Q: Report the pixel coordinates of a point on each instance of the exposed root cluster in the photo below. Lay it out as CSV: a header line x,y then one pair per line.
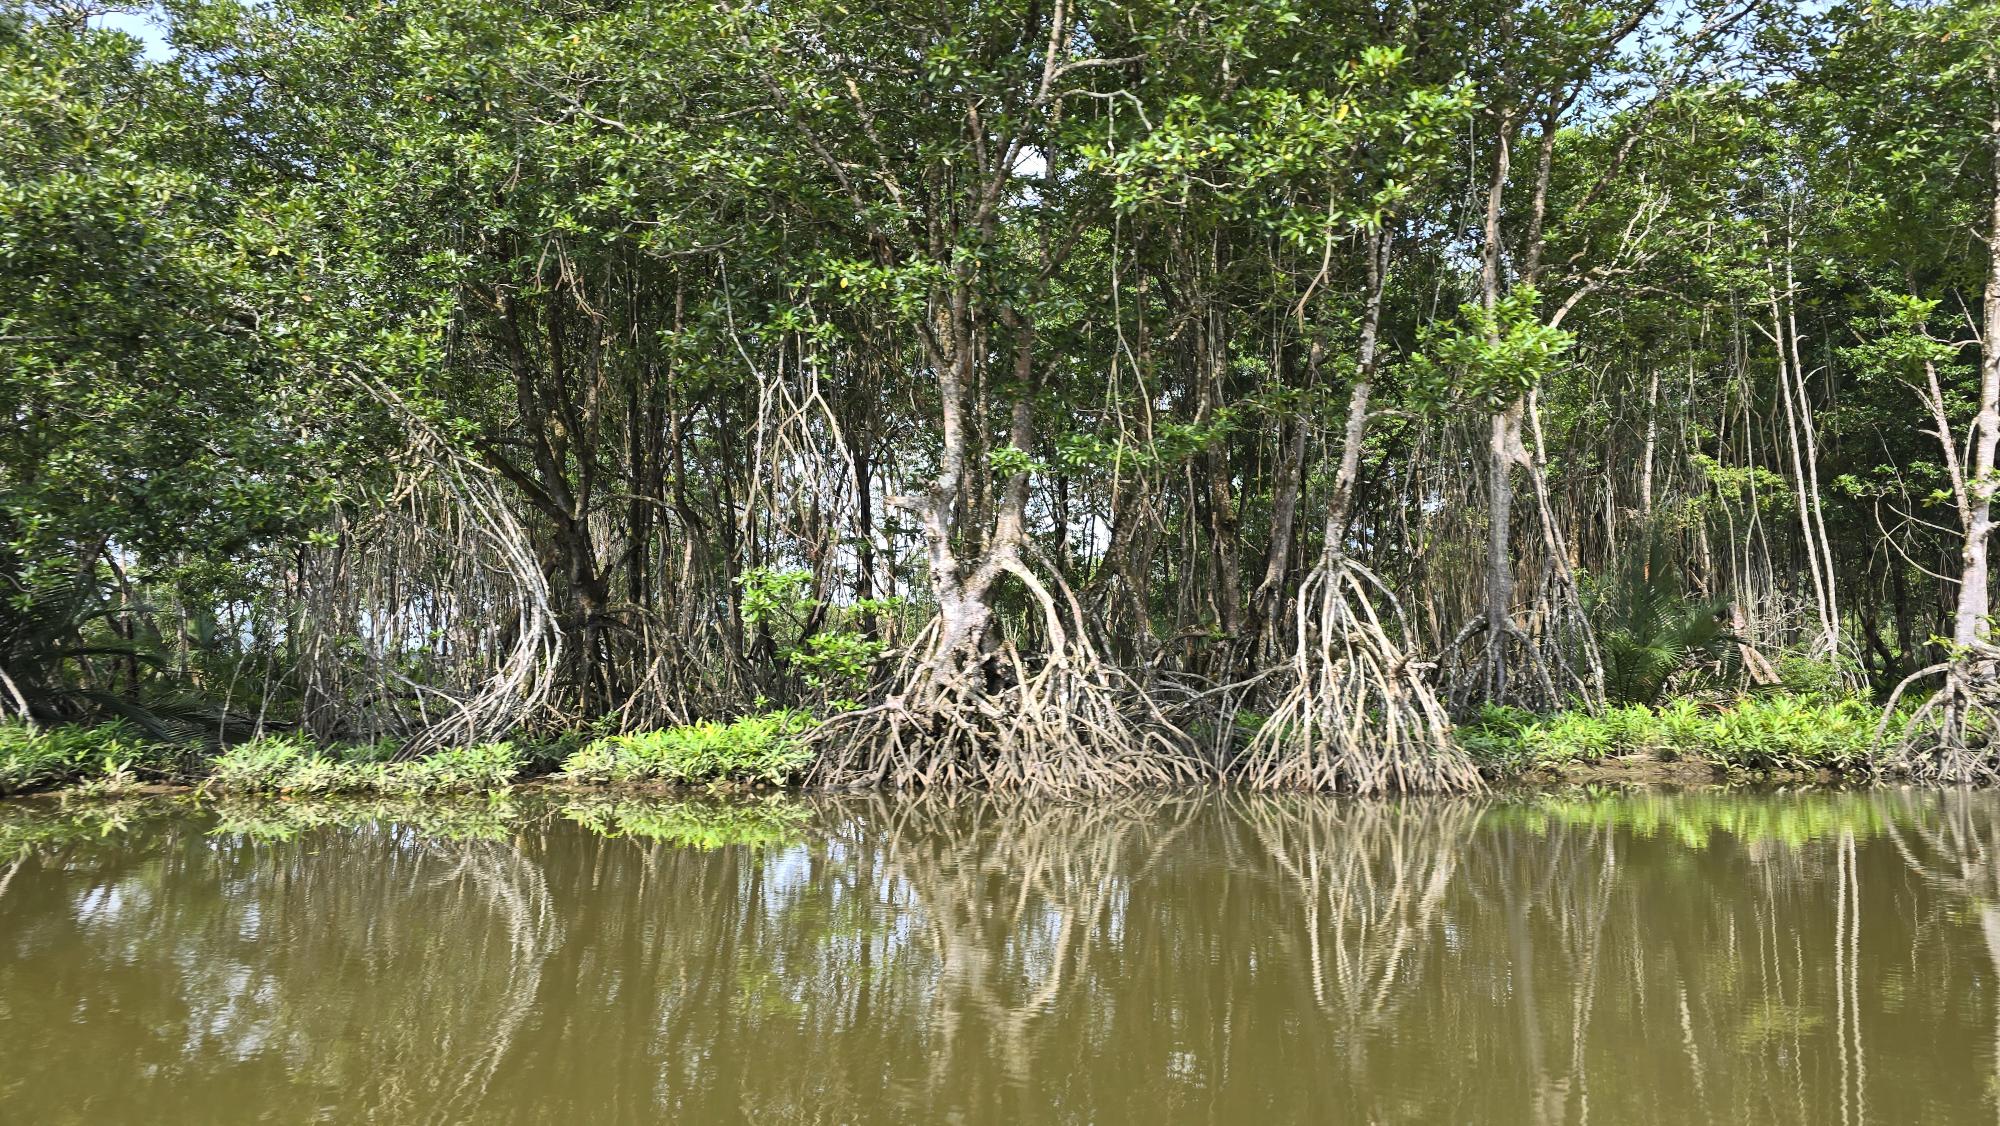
x,y
1357,714
427,616
1549,662
1950,738
1069,723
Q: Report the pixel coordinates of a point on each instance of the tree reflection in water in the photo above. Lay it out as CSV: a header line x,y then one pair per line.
x,y
1223,957
379,968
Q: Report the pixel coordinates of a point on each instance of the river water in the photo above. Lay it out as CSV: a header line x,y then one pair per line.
x,y
1724,957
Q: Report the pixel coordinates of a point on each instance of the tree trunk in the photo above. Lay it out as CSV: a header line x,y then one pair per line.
x,y
1652,441
1344,480
1222,522
1969,622
1266,605
1504,438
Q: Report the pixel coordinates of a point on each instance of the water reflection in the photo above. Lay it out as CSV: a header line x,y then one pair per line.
x,y
1721,957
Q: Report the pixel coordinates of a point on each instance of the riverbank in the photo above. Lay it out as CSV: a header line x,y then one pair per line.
x,y
1769,738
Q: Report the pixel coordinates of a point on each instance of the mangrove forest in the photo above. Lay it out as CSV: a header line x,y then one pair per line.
x,y
1062,396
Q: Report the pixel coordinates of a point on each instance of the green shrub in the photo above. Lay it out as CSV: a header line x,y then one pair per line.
x,y
1681,726
1570,737
1632,727
837,662
1792,733
1754,734
547,753
1653,634
1512,740
34,757
1826,680
1494,737
385,749
456,770
267,762
291,764
830,647
764,747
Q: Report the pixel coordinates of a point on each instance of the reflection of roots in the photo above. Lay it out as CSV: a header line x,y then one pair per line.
x,y
1949,738
1072,722
1019,903
519,898
1372,877
1357,717
437,954
1949,838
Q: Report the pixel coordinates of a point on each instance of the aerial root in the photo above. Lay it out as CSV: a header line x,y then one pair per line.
x,y
436,563
1358,715
1949,739
1550,664
1067,722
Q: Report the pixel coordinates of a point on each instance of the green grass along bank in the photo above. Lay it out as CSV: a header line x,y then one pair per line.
x,y
1778,737
112,758
1764,737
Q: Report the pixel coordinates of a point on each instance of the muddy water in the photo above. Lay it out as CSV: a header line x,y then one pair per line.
x,y
1729,958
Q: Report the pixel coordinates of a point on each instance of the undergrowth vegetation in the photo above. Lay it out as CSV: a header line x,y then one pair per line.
x,y
1767,734
109,756
288,764
764,747
1791,733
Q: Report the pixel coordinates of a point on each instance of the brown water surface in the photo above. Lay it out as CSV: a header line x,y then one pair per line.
x,y
1804,958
